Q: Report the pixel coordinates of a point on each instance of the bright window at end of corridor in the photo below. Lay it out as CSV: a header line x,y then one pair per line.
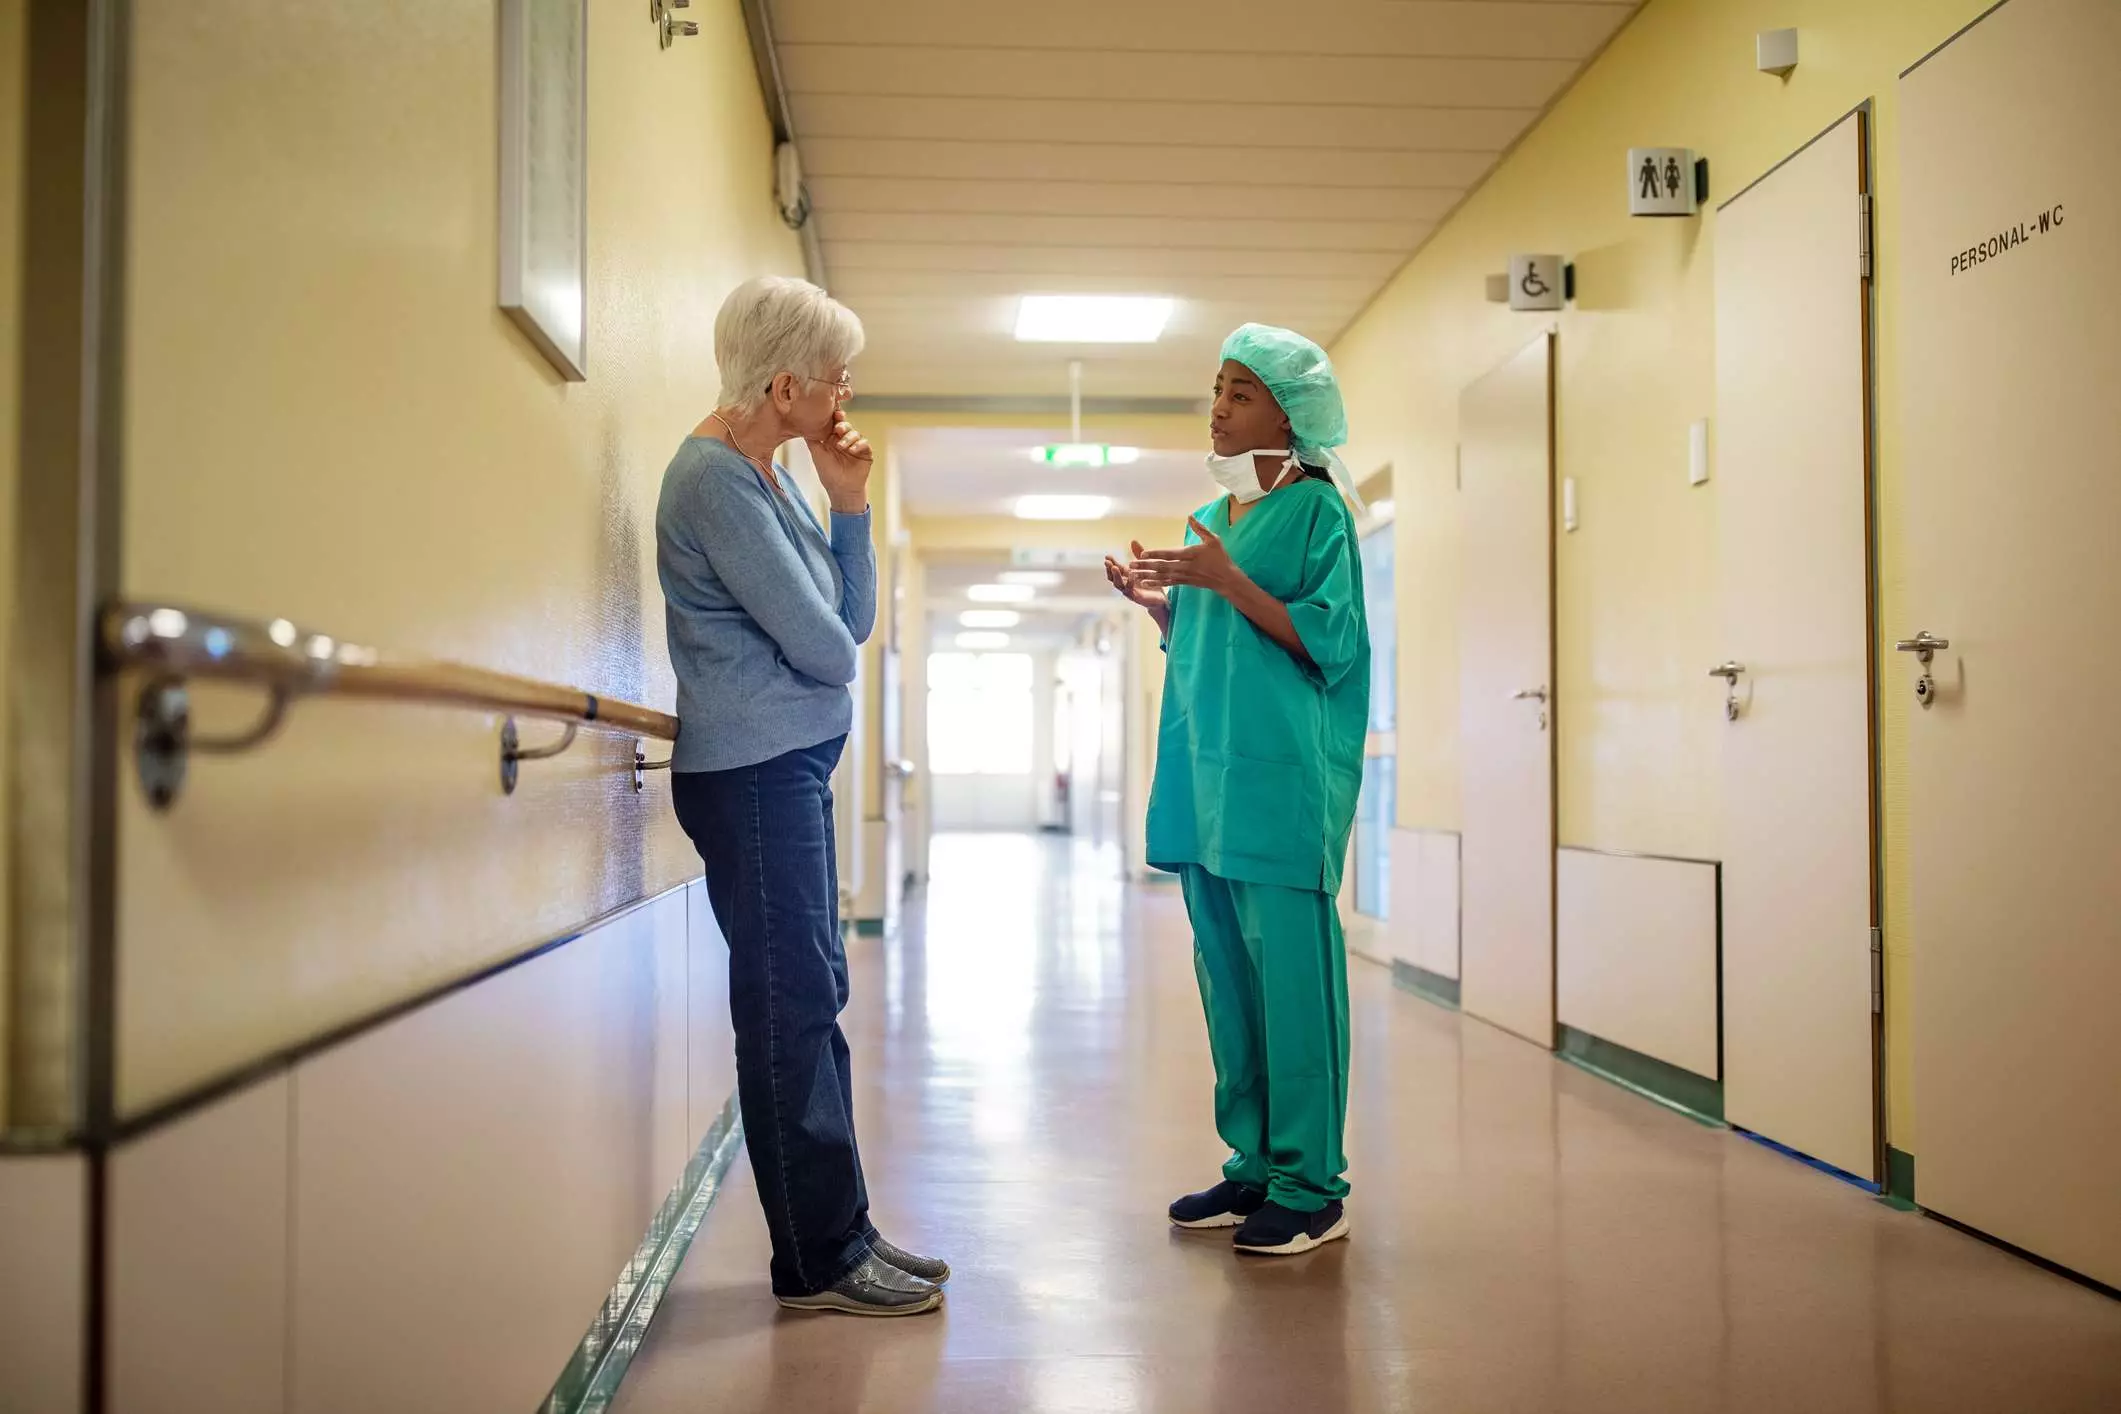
x,y
979,714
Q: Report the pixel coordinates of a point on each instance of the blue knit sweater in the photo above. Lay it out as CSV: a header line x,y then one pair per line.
x,y
763,612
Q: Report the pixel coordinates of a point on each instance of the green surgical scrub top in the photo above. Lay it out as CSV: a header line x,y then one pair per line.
x,y
1259,757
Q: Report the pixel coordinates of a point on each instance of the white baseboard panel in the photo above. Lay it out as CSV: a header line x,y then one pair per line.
x,y
43,1294
1425,907
198,1272
1636,954
426,1216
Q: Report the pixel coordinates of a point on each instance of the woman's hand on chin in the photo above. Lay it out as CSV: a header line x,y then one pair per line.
x,y
844,460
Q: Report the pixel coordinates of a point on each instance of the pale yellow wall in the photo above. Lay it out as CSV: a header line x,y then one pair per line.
x,y
331,420
12,37
1636,587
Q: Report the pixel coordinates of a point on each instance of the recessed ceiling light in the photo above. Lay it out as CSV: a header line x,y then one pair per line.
x,y
990,618
1091,319
1063,507
978,642
1001,593
1090,454
1039,579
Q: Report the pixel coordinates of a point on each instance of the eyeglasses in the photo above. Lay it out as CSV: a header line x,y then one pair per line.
x,y
844,383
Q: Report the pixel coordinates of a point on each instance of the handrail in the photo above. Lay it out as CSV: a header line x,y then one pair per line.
x,y
173,644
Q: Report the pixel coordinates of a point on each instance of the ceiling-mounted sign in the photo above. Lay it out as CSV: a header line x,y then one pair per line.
x,y
1662,181
1038,558
1536,282
1089,454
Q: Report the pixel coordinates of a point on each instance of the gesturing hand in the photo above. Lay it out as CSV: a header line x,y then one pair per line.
x,y
1136,587
1204,566
843,460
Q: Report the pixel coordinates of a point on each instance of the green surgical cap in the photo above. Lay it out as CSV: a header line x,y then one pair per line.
x,y
1300,376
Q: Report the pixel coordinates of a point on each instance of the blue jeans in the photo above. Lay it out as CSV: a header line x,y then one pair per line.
x,y
765,833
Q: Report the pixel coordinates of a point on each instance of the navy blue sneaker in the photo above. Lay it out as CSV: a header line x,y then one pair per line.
x,y
1225,1205
1275,1231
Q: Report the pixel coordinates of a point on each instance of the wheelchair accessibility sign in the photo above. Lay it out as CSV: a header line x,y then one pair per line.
x,y
1536,282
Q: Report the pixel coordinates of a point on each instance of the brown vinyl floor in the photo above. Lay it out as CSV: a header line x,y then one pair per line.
x,y
1034,1087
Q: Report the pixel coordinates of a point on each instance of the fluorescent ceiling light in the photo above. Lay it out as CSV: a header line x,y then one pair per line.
x,y
1090,454
980,641
990,618
1063,507
1001,593
1091,319
1040,579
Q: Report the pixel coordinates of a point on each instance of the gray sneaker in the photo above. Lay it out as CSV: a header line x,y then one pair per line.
x,y
874,1288
933,1269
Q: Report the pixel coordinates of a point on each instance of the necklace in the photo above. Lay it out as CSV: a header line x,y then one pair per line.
x,y
772,479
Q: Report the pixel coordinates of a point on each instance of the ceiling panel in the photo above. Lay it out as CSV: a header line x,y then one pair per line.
x,y
1251,159
1205,231
979,159
1032,261
982,472
1195,75
1222,127
928,319
1169,371
845,196
1484,29
866,284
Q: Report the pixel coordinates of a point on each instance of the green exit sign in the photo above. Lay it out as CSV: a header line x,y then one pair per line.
x,y
1089,454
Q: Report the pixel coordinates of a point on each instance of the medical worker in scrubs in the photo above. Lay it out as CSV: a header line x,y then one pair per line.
x,y
1259,757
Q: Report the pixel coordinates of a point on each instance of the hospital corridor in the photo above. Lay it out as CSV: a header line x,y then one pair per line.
x,y
1136,707
1529,1236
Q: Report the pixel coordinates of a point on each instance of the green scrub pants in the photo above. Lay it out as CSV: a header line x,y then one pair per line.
x,y
1273,973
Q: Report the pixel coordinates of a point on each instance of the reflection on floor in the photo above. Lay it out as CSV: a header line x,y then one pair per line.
x,y
1035,1086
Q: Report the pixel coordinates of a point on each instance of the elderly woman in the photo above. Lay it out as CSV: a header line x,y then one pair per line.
x,y
765,610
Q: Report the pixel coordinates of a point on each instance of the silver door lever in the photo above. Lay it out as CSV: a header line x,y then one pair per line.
x,y
1924,646
1730,672
1529,694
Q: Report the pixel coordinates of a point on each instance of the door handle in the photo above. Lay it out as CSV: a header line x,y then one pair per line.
x,y
1529,694
1924,645
1730,672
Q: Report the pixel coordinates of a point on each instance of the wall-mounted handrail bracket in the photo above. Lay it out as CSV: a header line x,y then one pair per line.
x,y
642,766
163,739
512,752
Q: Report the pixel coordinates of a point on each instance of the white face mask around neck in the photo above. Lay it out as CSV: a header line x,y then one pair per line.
x,y
1239,475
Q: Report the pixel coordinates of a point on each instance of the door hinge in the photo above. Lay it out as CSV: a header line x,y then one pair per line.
x,y
1877,972
1863,232
1458,468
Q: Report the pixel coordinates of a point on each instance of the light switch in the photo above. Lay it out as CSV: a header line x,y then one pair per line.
x,y
1568,503
1697,453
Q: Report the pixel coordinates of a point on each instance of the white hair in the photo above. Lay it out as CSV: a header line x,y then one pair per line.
x,y
776,324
